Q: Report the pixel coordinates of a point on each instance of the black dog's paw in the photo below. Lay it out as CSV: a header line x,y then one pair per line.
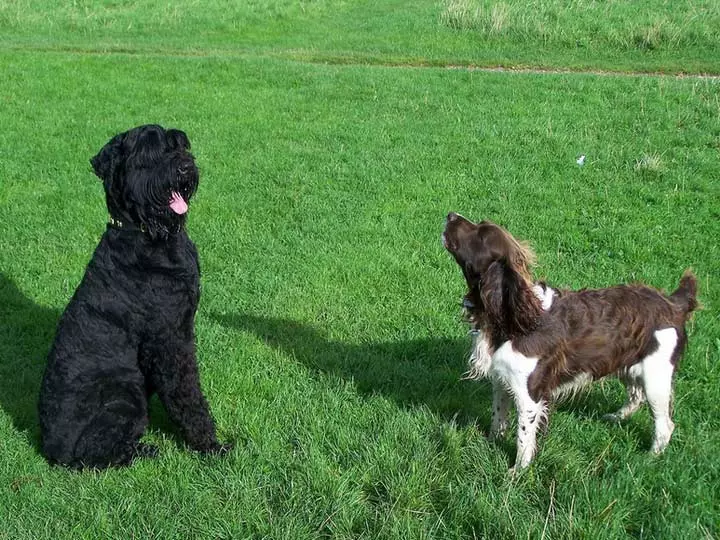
x,y
143,450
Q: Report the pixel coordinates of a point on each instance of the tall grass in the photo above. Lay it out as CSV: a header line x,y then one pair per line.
x,y
643,35
644,25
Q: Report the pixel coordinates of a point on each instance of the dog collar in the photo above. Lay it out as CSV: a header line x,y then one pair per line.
x,y
127,226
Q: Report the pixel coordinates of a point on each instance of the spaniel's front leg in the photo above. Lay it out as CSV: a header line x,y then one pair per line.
x,y
501,402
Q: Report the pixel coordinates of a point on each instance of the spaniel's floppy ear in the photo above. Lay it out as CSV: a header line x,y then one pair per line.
x,y
492,293
108,158
521,257
509,300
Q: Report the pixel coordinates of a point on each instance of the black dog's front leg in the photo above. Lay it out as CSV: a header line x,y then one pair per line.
x,y
177,382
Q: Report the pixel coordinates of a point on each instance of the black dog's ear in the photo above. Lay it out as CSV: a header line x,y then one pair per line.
x,y
179,138
108,157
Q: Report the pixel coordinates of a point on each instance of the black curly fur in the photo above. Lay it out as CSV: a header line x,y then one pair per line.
x,y
128,330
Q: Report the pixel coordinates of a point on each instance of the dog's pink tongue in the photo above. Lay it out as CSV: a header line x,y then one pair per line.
x,y
177,203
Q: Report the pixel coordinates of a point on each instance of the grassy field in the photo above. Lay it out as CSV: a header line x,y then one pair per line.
x,y
329,335
643,35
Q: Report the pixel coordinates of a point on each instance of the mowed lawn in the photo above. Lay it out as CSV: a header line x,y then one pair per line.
x,y
329,331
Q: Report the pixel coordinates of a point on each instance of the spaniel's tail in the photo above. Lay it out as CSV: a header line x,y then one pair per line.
x,y
685,296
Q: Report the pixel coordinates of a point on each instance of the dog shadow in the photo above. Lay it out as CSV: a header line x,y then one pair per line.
x,y
26,333
593,404
422,372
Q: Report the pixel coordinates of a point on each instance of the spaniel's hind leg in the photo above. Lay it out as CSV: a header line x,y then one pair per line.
x,y
632,378
657,377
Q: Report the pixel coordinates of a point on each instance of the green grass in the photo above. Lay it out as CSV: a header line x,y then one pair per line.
x,y
329,336
643,35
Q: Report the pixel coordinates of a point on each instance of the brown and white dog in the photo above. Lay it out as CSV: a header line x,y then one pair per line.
x,y
537,343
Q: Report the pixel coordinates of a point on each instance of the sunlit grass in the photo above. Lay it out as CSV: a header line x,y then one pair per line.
x,y
329,335
646,35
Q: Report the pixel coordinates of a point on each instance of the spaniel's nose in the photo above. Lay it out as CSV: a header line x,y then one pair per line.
x,y
452,216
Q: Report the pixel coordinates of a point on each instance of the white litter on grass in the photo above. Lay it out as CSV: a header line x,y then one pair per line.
x,y
581,160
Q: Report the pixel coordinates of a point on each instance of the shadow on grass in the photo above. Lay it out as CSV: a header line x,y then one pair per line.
x,y
593,405
423,372
26,333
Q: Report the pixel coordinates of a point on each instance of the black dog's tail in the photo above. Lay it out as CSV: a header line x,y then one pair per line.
x,y
685,297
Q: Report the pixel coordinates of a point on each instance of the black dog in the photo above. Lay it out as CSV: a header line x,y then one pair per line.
x,y
129,328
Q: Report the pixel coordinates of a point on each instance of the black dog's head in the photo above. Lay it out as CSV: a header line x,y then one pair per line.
x,y
149,177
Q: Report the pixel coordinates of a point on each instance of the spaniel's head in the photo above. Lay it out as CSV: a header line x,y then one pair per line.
x,y
476,246
497,271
